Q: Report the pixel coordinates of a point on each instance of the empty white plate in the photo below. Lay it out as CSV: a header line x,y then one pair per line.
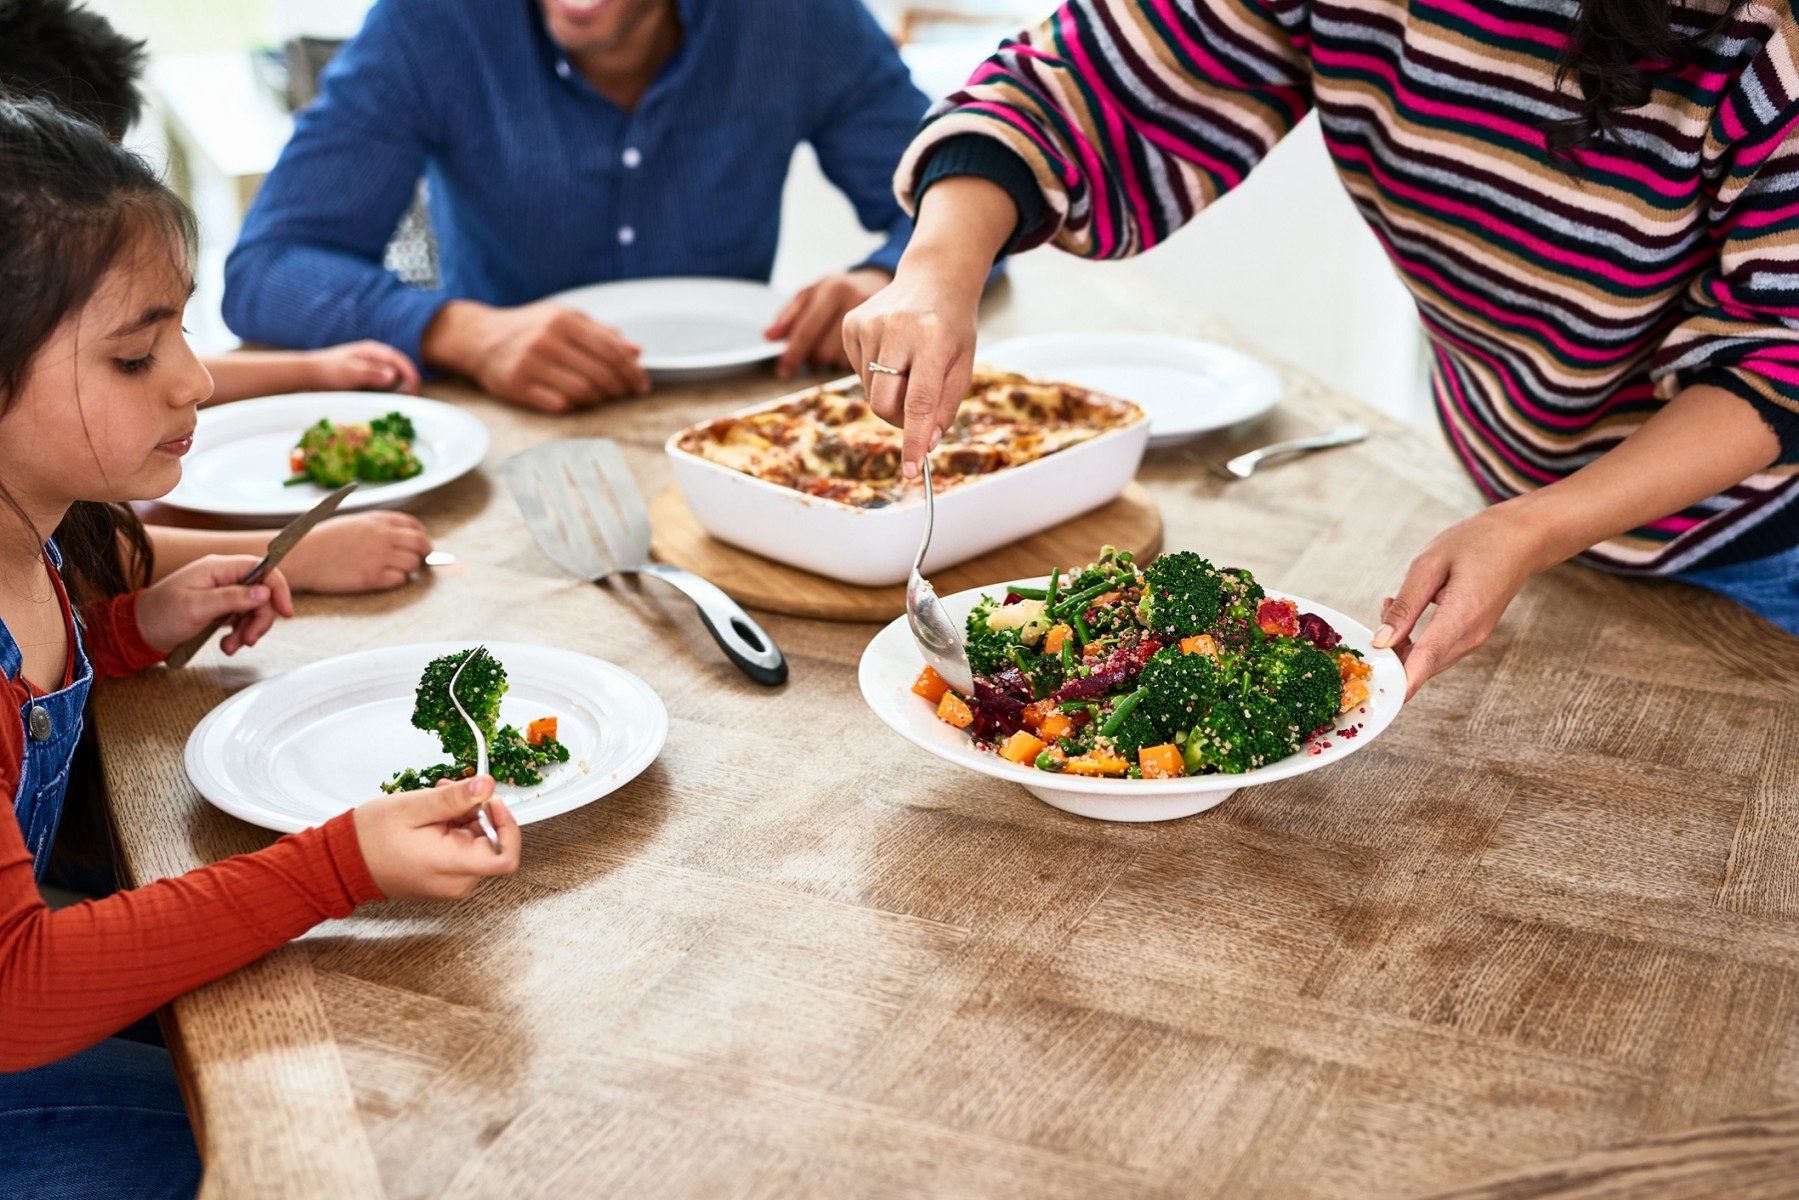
x,y
1188,388
296,750
690,329
238,465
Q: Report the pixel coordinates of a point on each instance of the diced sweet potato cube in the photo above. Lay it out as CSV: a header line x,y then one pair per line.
x,y
1036,713
1200,643
1351,667
930,685
538,730
1355,692
1052,641
1022,748
953,709
1161,762
1056,725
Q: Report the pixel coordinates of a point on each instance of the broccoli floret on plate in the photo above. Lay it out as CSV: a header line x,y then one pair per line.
x,y
1241,596
991,650
1242,731
1301,679
1177,688
1181,595
385,458
513,757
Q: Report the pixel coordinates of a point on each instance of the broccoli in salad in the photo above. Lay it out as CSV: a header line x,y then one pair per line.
x,y
513,757
1175,668
378,452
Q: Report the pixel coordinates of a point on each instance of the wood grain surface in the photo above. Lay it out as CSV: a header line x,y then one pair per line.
x,y
1131,522
1541,939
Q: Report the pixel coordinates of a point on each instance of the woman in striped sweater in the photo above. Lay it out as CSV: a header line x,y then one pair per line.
x,y
1595,204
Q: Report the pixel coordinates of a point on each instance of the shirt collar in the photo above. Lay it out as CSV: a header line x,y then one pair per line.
x,y
692,15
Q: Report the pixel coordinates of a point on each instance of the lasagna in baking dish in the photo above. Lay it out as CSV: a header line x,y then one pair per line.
x,y
829,443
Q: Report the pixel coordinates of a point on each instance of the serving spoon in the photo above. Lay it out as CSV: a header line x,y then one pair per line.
x,y
939,638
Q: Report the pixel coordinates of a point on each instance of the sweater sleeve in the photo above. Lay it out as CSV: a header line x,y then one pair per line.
x,y
72,977
1742,331
115,643
1133,115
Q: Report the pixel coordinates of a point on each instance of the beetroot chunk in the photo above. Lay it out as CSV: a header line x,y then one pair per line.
x,y
1316,630
1123,666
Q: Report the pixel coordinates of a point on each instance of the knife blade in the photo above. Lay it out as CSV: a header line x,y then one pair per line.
x,y
279,545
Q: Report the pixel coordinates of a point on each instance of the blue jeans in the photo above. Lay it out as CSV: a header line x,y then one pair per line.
x,y
1769,586
105,1124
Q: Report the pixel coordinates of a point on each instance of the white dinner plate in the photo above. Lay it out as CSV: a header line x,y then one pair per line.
x,y
689,328
892,662
1188,388
238,465
298,749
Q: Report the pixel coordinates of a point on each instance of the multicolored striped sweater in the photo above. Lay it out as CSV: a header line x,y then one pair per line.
x,y
1564,303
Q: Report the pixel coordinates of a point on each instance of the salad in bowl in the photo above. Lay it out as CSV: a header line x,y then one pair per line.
x,y
1141,691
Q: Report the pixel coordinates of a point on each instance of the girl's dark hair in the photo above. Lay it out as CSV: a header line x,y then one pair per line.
x,y
71,203
1614,53
73,56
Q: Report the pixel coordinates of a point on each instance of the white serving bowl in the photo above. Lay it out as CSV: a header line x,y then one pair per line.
x,y
873,547
892,662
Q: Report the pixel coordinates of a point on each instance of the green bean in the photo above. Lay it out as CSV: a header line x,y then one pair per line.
x,y
1078,601
1068,655
1081,632
1120,712
1055,579
1028,593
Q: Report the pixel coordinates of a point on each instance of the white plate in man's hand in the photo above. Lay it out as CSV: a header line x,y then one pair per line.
x,y
294,751
689,328
238,467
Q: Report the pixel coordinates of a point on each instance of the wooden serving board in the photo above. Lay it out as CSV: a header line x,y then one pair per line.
x,y
1131,522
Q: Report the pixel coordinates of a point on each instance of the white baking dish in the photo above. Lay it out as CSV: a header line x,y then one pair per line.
x,y
873,547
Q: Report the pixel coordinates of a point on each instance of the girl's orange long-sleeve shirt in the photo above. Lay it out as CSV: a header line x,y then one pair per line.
x,y
72,977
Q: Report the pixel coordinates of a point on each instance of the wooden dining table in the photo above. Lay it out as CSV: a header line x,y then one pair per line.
x,y
1541,938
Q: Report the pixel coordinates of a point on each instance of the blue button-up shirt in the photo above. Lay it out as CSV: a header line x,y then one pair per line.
x,y
538,183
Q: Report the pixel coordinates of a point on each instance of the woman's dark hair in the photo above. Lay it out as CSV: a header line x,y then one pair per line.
x,y
66,53
1614,53
71,203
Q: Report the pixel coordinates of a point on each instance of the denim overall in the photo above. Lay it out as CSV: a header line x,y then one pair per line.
x,y
52,727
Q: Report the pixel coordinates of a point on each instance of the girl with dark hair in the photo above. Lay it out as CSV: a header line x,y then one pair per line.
x,y
1595,204
97,396
61,51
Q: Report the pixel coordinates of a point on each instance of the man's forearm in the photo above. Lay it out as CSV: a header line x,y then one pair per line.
x,y
1703,442
453,339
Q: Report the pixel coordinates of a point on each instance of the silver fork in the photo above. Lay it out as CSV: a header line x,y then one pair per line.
x,y
563,486
938,638
481,814
1244,465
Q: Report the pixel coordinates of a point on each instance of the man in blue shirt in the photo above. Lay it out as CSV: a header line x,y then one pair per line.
x,y
568,142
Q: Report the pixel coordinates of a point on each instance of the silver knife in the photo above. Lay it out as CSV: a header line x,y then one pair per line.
x,y
279,545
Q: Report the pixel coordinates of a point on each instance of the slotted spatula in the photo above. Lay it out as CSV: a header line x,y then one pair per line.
x,y
582,505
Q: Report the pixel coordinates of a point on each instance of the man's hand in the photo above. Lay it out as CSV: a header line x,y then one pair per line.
x,y
542,355
812,322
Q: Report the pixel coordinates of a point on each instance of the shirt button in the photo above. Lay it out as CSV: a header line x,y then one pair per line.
x,y
626,235
41,727
562,68
632,156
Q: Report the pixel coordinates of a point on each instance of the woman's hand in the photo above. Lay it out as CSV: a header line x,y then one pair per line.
x,y
812,322
922,325
427,845
1471,572
366,552
361,366
192,598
